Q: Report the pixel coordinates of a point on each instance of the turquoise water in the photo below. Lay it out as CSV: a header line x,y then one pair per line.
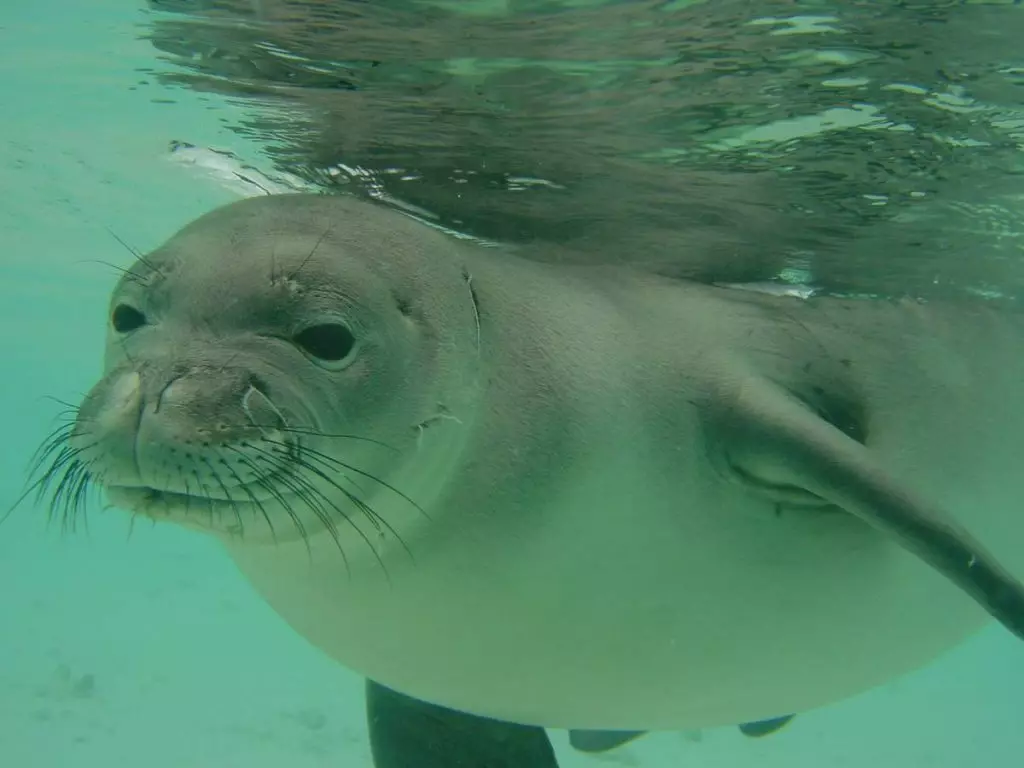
x,y
152,651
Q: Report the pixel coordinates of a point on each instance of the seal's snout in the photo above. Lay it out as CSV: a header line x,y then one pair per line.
x,y
211,406
104,432
115,407
194,430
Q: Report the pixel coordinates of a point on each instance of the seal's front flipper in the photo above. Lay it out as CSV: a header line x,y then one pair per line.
x,y
761,728
408,733
601,741
775,444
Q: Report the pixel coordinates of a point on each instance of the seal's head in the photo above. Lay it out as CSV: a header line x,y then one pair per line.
x,y
283,367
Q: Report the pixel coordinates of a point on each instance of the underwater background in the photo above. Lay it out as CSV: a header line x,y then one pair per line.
x,y
152,650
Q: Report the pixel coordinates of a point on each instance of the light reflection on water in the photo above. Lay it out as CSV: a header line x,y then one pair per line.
x,y
873,144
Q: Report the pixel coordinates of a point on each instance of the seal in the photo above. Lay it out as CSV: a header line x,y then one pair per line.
x,y
518,495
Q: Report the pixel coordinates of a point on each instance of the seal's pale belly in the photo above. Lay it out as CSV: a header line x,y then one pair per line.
x,y
627,611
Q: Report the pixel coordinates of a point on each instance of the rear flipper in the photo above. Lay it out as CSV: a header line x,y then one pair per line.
x,y
603,741
776,445
760,728
409,733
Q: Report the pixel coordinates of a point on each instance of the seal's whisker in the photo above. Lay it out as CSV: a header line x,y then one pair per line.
x,y
281,472
248,462
61,466
188,495
69,495
304,493
227,493
308,465
65,458
63,463
131,525
125,272
257,502
339,436
67,415
65,403
55,468
133,251
205,494
376,518
378,521
56,439
40,486
331,464
80,498
315,498
268,486
72,477
312,252
343,466
307,496
310,491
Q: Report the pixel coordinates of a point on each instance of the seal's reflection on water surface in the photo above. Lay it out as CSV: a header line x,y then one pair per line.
x,y
873,147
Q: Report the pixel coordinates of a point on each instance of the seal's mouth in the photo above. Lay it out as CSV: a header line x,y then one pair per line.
x,y
159,502
271,492
233,516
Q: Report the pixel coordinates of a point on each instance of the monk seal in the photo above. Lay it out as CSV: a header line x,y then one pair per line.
x,y
518,495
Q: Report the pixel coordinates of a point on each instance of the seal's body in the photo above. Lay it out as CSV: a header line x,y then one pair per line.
x,y
564,496
587,538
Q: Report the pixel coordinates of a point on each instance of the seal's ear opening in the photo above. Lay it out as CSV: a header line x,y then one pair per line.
x,y
776,444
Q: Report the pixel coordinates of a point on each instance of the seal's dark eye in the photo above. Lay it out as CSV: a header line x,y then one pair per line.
x,y
126,318
330,342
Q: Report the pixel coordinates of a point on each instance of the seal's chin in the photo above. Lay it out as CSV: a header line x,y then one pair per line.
x,y
211,515
154,502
